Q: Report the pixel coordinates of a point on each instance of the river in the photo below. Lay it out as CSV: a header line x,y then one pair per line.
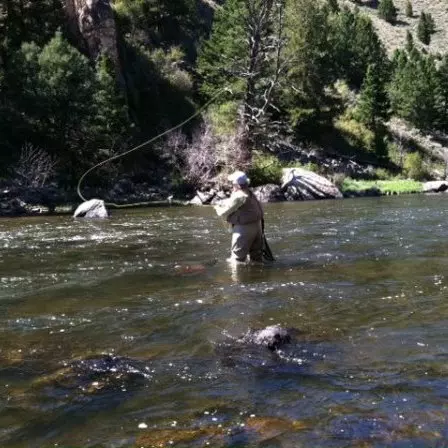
x,y
364,280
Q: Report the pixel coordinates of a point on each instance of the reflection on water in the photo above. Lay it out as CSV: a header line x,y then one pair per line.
x,y
121,332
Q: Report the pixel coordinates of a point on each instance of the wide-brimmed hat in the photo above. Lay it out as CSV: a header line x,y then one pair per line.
x,y
239,178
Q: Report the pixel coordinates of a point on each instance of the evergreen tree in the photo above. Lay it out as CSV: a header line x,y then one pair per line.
x,y
223,57
409,42
409,10
355,45
309,51
387,11
372,103
413,89
111,114
425,28
442,95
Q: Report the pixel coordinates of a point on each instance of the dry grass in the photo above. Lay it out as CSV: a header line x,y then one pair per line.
x,y
394,36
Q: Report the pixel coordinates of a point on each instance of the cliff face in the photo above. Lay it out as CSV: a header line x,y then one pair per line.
x,y
93,23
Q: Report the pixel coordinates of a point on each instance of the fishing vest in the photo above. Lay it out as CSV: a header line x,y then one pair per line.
x,y
248,213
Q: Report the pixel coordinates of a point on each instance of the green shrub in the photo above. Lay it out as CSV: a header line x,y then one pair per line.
x,y
409,9
382,174
224,117
387,11
357,134
413,166
266,169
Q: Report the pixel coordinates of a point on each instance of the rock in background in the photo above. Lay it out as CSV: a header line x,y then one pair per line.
x,y
300,184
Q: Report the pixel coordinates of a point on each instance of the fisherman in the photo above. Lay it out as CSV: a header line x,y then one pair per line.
x,y
244,212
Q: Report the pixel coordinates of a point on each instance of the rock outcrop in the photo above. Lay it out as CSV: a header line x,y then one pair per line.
x,y
301,184
93,23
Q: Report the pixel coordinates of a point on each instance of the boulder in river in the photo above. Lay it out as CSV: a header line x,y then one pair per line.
x,y
272,337
95,208
301,184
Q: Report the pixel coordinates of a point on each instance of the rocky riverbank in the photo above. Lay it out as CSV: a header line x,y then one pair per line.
x,y
297,185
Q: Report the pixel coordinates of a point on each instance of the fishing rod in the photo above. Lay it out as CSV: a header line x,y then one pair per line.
x,y
142,145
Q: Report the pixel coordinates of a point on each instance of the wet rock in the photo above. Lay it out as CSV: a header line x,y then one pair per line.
x,y
95,208
273,337
269,193
203,197
435,186
94,374
300,184
267,428
180,437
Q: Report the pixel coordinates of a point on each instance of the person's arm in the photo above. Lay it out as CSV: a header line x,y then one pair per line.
x,y
231,205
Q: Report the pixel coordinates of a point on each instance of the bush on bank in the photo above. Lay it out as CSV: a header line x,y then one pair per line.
x,y
385,187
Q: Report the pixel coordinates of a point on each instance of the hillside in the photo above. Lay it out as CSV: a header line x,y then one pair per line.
x,y
394,36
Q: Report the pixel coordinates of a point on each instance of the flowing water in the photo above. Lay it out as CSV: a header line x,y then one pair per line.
x,y
149,292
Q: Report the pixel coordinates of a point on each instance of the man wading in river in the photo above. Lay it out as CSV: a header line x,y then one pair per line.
x,y
244,212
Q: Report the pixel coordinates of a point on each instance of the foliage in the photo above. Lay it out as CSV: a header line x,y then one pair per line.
x,y
266,169
413,166
412,88
372,102
425,28
383,186
387,11
441,95
357,134
409,11
223,56
356,45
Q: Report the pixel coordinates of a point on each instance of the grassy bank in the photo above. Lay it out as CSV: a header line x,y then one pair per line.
x,y
385,187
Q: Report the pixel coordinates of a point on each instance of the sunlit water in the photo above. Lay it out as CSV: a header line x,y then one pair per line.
x,y
364,280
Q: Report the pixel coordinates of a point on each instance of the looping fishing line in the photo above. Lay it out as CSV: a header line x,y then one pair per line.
x,y
142,145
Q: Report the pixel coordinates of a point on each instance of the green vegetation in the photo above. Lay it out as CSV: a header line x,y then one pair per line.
x,y
425,28
409,10
387,11
302,74
384,187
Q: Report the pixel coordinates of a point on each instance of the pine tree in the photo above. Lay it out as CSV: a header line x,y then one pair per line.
x,y
413,89
372,103
442,95
223,57
409,9
425,28
111,119
387,11
308,34
409,42
355,45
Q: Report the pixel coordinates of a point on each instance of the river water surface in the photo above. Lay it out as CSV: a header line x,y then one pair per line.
x,y
364,280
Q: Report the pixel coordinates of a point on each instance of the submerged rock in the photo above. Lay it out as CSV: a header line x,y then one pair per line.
x,y
95,208
273,337
91,375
